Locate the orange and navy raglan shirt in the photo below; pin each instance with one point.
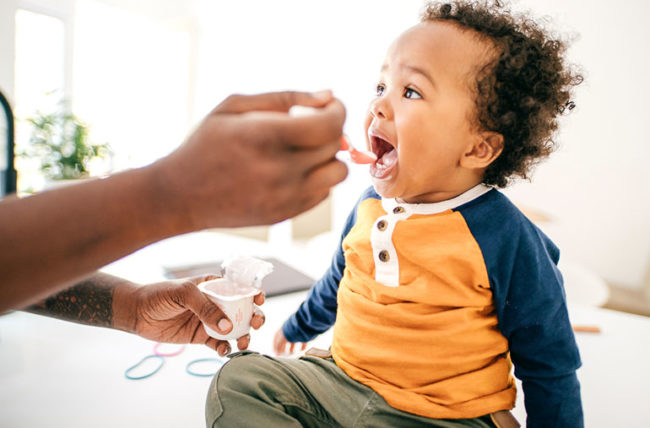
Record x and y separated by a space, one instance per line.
433 302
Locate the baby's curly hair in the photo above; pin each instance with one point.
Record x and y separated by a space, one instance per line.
521 90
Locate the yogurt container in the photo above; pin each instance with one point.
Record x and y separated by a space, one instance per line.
235 291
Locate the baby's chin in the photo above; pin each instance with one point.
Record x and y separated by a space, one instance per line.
383 189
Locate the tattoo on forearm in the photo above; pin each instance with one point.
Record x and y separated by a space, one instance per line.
89 302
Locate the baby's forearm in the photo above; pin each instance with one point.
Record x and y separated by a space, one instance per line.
553 402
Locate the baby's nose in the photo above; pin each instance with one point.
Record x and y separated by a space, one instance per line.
378 108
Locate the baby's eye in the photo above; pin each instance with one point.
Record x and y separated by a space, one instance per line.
411 94
380 90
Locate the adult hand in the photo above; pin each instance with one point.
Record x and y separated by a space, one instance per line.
173 312
250 162
281 346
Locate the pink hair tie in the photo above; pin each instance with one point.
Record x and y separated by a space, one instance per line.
157 352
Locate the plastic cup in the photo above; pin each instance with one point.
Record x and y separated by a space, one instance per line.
236 302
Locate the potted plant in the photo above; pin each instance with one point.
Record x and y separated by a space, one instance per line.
59 141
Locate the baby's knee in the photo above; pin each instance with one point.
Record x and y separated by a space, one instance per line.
239 372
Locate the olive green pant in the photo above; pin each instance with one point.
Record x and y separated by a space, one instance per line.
258 391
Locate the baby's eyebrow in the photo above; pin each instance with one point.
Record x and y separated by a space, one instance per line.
413 69
420 71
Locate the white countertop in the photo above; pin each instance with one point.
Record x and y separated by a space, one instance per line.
59 374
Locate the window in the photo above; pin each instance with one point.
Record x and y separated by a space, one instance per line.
131 81
39 80
39 66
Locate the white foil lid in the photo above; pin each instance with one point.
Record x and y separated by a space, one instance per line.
246 271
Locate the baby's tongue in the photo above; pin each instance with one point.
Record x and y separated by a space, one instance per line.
388 159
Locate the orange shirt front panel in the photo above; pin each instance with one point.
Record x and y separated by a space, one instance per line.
430 344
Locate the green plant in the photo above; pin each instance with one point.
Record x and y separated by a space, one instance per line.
59 140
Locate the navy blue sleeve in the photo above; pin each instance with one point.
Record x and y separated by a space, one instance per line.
318 312
531 308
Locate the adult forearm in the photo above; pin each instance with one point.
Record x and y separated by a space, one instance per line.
88 302
55 239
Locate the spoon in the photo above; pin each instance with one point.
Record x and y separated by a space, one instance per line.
357 156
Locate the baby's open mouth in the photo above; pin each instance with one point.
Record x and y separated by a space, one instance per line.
386 157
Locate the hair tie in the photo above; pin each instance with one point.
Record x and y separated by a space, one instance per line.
189 366
146 375
157 352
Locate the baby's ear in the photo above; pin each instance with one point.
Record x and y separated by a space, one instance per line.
484 150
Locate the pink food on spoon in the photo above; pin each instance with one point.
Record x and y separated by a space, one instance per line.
357 156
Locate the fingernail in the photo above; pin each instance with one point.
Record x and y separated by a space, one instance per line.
322 95
224 349
224 325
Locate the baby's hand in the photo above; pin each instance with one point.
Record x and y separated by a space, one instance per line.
280 344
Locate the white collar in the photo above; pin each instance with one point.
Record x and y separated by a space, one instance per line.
436 207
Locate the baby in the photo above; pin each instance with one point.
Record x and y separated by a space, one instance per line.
440 283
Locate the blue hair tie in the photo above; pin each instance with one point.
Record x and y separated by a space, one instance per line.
188 367
136 365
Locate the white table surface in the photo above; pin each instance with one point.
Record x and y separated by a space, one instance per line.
59 374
